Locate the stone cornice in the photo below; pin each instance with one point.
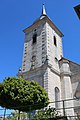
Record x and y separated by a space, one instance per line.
53 70
65 73
42 68
31 71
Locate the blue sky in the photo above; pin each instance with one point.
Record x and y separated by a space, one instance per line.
16 15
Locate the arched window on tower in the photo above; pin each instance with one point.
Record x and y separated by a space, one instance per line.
34 38
55 41
57 97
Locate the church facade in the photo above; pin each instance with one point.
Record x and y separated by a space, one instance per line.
44 63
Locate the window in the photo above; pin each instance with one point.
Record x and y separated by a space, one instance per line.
57 97
55 42
34 38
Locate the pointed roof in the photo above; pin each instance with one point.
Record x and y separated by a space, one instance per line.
43 14
40 20
43 10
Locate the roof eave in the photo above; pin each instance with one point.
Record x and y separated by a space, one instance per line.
46 19
33 25
54 27
68 60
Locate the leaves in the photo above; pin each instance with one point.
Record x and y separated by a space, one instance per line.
46 114
17 93
15 114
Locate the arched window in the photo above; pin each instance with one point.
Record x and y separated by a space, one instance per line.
34 38
57 97
55 42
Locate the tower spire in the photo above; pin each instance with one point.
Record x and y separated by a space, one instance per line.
43 10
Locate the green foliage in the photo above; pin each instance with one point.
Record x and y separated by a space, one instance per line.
46 114
14 116
23 95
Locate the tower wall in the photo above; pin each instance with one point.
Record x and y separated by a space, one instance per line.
38 49
53 82
46 66
39 75
54 52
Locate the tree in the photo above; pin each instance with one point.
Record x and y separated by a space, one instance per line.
14 116
22 95
46 114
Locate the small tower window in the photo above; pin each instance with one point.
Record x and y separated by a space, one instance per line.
55 42
34 38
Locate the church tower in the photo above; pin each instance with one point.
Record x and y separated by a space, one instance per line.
41 57
42 52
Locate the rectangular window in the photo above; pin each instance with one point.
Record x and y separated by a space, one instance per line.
34 38
55 42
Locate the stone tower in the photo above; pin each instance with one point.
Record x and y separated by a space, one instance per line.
43 59
42 51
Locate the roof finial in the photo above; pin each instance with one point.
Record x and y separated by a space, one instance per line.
43 10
